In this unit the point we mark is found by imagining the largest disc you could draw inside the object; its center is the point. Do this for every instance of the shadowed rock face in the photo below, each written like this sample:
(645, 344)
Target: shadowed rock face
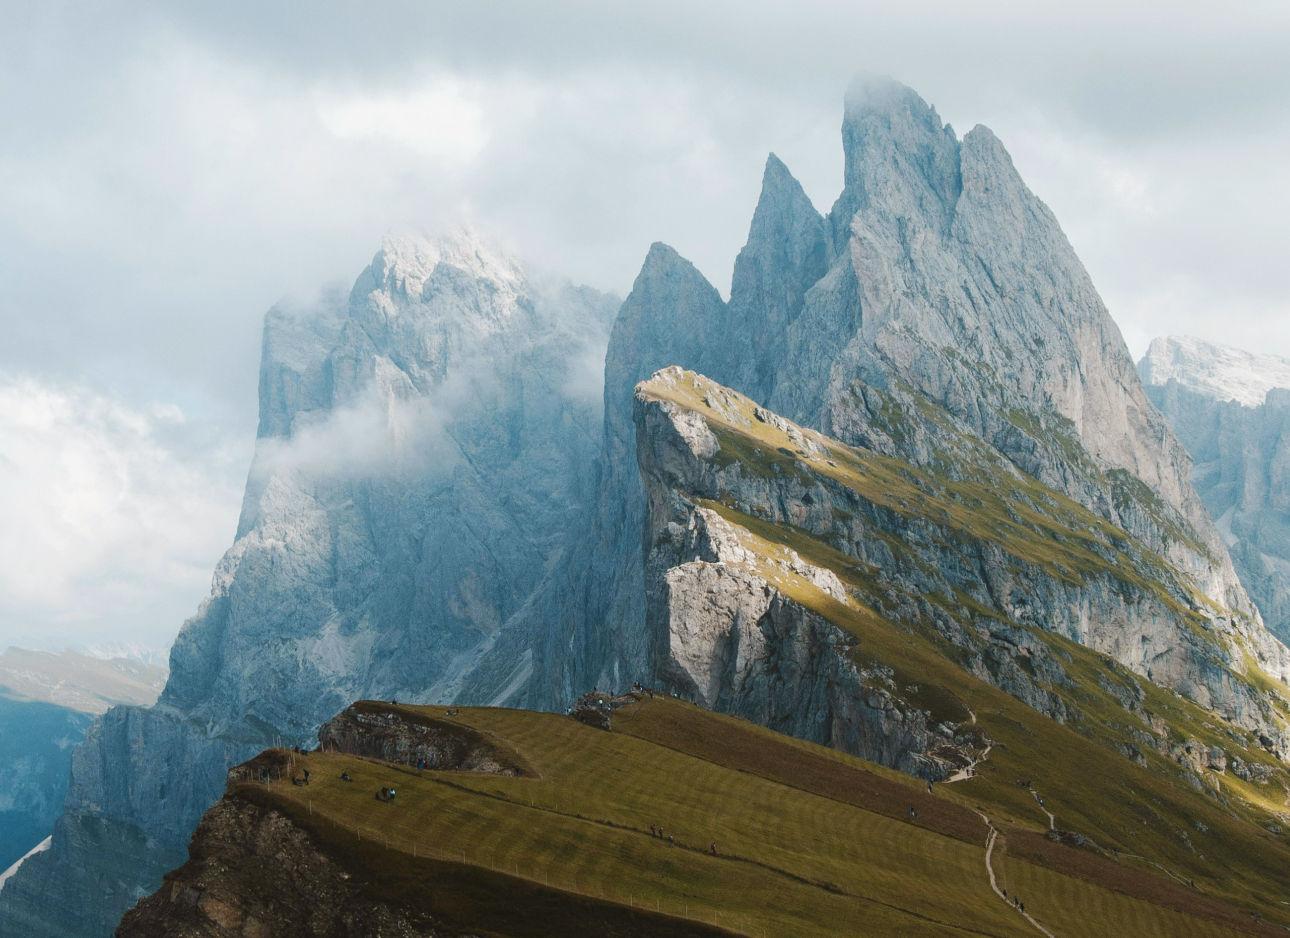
(1232, 411)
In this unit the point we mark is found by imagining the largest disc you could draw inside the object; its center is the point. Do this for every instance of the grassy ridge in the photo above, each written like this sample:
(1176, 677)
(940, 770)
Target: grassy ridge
(811, 841)
(1139, 812)
(1184, 823)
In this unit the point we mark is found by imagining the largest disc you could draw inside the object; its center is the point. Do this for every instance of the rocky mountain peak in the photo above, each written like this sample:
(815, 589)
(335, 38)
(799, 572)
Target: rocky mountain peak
(899, 158)
(407, 259)
(1214, 371)
(789, 248)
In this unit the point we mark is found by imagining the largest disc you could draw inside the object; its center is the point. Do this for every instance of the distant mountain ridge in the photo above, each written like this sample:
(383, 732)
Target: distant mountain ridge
(79, 682)
(1219, 372)
(1231, 409)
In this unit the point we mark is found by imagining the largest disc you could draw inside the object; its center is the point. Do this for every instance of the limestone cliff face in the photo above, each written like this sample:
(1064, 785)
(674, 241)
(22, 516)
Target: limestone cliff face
(1232, 411)
(952, 280)
(419, 461)
(938, 293)
(585, 625)
(424, 446)
(742, 623)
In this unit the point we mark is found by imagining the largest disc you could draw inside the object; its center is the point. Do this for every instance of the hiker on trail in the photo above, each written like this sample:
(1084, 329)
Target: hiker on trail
(652, 831)
(1022, 906)
(344, 777)
(714, 850)
(1005, 894)
(929, 788)
(391, 794)
(671, 840)
(306, 776)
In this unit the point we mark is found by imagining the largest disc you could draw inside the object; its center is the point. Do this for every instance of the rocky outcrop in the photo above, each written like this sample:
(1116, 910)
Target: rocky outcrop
(1231, 409)
(408, 738)
(253, 873)
(742, 623)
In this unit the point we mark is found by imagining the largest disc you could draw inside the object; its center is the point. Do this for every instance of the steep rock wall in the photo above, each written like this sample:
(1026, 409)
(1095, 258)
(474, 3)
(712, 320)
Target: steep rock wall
(1228, 411)
(732, 628)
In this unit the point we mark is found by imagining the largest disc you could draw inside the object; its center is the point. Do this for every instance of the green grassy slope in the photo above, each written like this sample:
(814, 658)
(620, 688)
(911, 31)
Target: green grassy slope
(810, 841)
(1161, 813)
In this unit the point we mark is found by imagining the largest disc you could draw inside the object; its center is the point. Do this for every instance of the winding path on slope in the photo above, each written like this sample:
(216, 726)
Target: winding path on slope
(994, 884)
(1052, 819)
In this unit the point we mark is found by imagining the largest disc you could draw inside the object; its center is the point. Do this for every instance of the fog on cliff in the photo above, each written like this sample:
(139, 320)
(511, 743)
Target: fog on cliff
(170, 172)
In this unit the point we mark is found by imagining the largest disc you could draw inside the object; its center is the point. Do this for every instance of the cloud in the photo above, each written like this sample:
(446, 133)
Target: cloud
(441, 119)
(169, 171)
(377, 435)
(110, 531)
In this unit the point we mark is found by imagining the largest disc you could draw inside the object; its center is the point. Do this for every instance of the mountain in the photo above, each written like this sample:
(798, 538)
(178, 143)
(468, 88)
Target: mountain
(770, 548)
(442, 510)
(78, 682)
(519, 823)
(47, 702)
(36, 741)
(1231, 409)
(422, 447)
(1213, 371)
(939, 302)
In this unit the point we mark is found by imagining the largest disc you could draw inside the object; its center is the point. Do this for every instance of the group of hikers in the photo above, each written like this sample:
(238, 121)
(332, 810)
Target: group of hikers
(1017, 903)
(385, 794)
(657, 831)
(912, 813)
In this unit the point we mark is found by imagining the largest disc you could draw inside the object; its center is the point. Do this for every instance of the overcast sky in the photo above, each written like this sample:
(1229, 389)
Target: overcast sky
(168, 172)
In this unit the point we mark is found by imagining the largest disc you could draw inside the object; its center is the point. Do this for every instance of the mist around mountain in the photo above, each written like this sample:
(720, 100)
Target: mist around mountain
(1231, 409)
(914, 416)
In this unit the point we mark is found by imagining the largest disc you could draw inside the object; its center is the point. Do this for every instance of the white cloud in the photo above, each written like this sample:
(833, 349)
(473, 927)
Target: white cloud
(109, 531)
(442, 118)
(379, 434)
